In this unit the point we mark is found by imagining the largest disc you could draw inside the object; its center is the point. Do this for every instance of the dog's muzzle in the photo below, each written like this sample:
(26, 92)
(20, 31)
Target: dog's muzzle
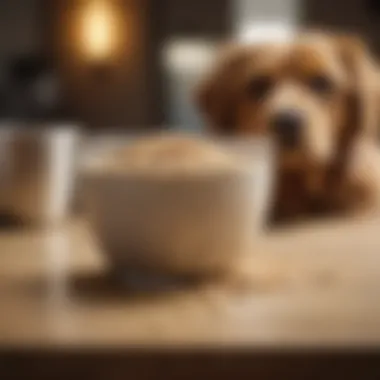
(287, 128)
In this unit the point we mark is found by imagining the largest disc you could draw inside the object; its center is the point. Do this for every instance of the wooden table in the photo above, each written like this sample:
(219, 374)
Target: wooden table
(306, 292)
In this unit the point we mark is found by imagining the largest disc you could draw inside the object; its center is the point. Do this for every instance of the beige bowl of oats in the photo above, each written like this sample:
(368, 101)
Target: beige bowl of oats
(179, 204)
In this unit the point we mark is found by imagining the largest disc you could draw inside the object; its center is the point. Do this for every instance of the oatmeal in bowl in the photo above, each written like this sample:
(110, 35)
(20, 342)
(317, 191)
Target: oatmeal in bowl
(179, 204)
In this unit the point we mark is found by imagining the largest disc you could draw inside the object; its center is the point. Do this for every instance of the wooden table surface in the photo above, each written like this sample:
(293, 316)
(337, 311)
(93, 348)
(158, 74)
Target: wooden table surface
(316, 286)
(305, 307)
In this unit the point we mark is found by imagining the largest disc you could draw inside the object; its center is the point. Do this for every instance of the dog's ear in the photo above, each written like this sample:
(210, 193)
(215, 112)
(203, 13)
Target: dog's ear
(363, 106)
(216, 96)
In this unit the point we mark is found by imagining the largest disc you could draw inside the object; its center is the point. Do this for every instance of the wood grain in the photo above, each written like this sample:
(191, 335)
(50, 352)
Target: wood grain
(314, 286)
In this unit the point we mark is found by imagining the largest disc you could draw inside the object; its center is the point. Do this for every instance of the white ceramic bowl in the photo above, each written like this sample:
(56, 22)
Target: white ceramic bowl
(185, 224)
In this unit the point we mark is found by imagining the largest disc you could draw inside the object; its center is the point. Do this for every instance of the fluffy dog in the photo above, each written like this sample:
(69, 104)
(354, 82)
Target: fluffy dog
(318, 98)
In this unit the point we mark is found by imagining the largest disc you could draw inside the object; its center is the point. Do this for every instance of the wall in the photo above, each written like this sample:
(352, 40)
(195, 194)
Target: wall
(196, 18)
(349, 15)
(113, 95)
(20, 31)
(132, 93)
(20, 28)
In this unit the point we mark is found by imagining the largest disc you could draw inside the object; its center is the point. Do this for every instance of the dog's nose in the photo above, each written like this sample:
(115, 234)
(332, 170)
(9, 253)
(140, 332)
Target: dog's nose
(287, 127)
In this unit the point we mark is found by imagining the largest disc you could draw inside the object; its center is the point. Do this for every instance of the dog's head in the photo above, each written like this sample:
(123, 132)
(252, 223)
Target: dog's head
(310, 95)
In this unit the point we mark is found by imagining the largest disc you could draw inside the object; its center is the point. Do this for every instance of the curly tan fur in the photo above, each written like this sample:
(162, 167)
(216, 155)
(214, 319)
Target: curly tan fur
(336, 169)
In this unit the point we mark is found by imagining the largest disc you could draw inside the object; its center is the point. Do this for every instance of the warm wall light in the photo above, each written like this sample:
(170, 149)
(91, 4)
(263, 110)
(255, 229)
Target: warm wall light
(98, 30)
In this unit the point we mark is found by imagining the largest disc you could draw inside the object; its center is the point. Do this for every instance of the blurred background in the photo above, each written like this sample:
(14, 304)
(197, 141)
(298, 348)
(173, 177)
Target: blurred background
(132, 64)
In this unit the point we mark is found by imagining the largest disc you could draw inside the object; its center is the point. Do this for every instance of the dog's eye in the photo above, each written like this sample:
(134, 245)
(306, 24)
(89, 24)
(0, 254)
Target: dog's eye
(259, 87)
(321, 85)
